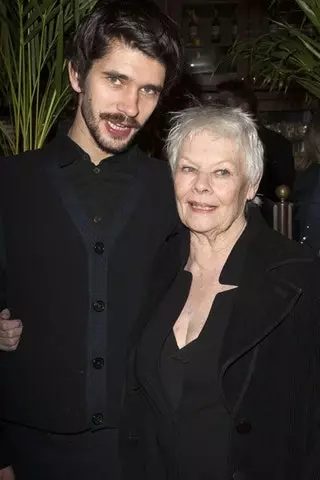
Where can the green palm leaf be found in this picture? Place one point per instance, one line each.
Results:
(33, 73)
(287, 57)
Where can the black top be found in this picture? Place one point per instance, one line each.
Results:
(190, 378)
(194, 436)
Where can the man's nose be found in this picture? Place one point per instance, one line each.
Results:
(129, 103)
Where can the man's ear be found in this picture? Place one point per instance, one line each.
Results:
(74, 78)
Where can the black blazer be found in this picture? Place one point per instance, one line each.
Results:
(77, 303)
(268, 369)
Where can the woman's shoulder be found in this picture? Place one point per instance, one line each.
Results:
(273, 244)
(276, 258)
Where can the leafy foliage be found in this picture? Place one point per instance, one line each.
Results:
(33, 73)
(288, 56)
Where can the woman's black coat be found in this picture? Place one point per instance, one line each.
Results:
(268, 371)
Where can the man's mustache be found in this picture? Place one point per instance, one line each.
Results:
(118, 118)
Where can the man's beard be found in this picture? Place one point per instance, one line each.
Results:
(109, 147)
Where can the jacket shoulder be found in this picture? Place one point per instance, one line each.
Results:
(272, 244)
(25, 158)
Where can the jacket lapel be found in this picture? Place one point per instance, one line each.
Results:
(264, 299)
(260, 306)
(155, 335)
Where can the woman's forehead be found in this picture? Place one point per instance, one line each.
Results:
(209, 141)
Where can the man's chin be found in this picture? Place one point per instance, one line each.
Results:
(117, 147)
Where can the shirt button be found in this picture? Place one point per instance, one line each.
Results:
(98, 363)
(99, 306)
(96, 170)
(99, 248)
(243, 427)
(97, 419)
(97, 219)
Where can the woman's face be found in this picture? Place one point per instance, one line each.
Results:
(211, 184)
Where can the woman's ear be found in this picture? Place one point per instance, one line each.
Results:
(252, 190)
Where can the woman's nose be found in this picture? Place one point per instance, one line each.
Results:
(202, 183)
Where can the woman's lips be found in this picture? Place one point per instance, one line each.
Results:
(202, 207)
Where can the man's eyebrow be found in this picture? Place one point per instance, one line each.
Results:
(114, 73)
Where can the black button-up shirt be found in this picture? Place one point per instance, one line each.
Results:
(100, 190)
(98, 187)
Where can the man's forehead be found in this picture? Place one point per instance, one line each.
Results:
(132, 63)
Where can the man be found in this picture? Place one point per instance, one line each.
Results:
(84, 222)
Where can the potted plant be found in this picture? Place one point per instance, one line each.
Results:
(33, 76)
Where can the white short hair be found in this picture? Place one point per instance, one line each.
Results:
(220, 121)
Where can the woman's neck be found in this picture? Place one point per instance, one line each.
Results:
(210, 251)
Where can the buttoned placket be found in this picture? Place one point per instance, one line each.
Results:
(99, 316)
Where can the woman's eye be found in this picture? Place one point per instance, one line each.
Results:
(187, 169)
(222, 172)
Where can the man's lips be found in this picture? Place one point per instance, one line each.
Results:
(119, 125)
(119, 130)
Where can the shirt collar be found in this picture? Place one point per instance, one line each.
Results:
(70, 152)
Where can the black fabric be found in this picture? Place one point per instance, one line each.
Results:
(190, 385)
(197, 409)
(45, 456)
(268, 368)
(100, 188)
(78, 287)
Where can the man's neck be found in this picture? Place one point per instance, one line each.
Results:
(87, 144)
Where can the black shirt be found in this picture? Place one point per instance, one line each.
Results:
(98, 187)
(190, 378)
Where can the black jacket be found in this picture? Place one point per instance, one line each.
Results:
(268, 369)
(77, 302)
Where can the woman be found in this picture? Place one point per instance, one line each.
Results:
(228, 361)
(306, 193)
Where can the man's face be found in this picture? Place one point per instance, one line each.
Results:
(118, 96)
